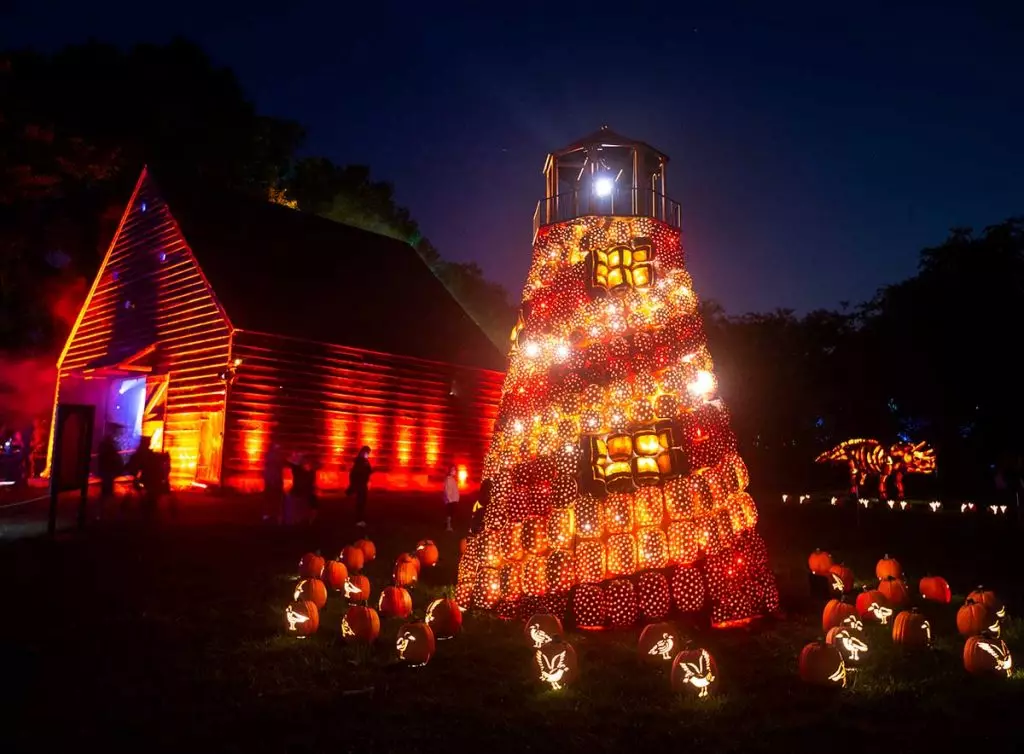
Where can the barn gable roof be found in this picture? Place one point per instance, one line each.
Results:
(285, 272)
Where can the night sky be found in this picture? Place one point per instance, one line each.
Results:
(814, 151)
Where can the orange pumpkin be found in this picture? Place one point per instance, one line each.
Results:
(912, 629)
(357, 588)
(841, 577)
(444, 617)
(311, 566)
(463, 544)
(990, 600)
(936, 589)
(395, 602)
(873, 606)
(369, 549)
(426, 553)
(542, 628)
(407, 571)
(335, 574)
(659, 642)
(415, 644)
(303, 618)
(555, 664)
(888, 568)
(895, 591)
(973, 618)
(360, 624)
(819, 562)
(983, 655)
(822, 665)
(353, 558)
(849, 640)
(835, 612)
(313, 590)
(694, 671)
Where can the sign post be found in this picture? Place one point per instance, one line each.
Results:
(72, 454)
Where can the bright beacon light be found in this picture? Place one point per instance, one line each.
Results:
(603, 186)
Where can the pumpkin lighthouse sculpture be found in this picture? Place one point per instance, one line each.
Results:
(617, 490)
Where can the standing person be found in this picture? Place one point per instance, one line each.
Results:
(109, 466)
(451, 495)
(146, 469)
(304, 483)
(359, 482)
(273, 483)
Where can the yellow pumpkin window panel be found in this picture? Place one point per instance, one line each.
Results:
(623, 267)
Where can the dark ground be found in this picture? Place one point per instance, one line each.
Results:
(171, 638)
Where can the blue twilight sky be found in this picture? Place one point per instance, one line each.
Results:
(814, 150)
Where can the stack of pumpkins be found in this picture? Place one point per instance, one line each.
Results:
(826, 662)
(416, 641)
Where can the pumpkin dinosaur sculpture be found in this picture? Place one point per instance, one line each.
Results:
(869, 457)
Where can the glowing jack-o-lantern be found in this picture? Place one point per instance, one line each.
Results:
(353, 558)
(873, 606)
(426, 553)
(623, 267)
(835, 612)
(555, 663)
(822, 665)
(820, 563)
(895, 591)
(444, 617)
(974, 618)
(694, 671)
(395, 602)
(936, 589)
(984, 655)
(653, 596)
(848, 639)
(989, 599)
(888, 568)
(303, 618)
(360, 624)
(369, 549)
(335, 575)
(541, 629)
(357, 588)
(659, 642)
(407, 570)
(841, 578)
(911, 628)
(313, 590)
(311, 566)
(415, 644)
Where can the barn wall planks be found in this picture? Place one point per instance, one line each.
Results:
(418, 416)
(150, 290)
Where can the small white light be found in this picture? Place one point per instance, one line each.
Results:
(703, 384)
(561, 352)
(532, 350)
(517, 426)
(603, 186)
(834, 500)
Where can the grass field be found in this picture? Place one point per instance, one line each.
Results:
(171, 636)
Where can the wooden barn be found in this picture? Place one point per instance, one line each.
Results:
(219, 324)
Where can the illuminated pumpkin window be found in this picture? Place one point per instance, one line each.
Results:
(622, 462)
(622, 267)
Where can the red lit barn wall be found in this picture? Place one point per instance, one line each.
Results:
(150, 290)
(330, 400)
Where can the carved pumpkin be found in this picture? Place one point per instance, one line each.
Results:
(353, 558)
(895, 591)
(395, 602)
(849, 641)
(659, 643)
(822, 665)
(313, 590)
(555, 664)
(912, 629)
(695, 672)
(989, 599)
(463, 543)
(984, 655)
(369, 549)
(888, 568)
(936, 589)
(620, 603)
(415, 644)
(835, 612)
(335, 575)
(426, 552)
(652, 595)
(588, 606)
(542, 628)
(357, 588)
(841, 578)
(973, 618)
(360, 624)
(407, 571)
(311, 566)
(303, 618)
(444, 617)
(820, 563)
(873, 606)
